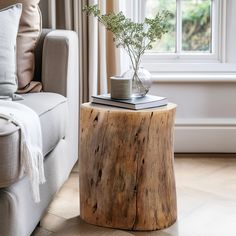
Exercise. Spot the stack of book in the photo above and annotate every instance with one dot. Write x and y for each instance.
(148, 101)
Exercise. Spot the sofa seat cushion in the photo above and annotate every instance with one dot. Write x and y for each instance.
(52, 111)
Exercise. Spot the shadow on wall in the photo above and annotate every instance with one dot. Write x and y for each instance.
(44, 9)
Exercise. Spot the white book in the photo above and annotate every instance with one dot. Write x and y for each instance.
(148, 101)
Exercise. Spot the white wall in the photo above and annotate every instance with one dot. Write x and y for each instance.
(206, 113)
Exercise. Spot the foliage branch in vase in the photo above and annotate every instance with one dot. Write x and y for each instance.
(134, 37)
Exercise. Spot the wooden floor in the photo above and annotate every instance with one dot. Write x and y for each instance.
(206, 191)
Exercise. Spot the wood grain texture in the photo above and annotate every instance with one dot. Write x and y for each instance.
(126, 167)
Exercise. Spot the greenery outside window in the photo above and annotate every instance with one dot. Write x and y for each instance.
(198, 32)
(191, 25)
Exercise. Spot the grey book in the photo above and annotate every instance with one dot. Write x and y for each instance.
(148, 101)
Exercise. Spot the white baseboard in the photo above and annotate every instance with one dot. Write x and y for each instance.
(205, 136)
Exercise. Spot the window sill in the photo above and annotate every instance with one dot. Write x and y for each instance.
(190, 67)
(193, 78)
(206, 122)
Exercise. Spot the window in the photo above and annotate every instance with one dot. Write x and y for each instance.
(197, 31)
(191, 25)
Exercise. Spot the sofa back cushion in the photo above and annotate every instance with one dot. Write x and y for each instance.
(28, 35)
(9, 23)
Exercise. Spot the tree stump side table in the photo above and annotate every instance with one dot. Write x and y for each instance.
(126, 167)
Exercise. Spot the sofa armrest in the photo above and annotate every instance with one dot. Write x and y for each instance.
(60, 75)
(60, 62)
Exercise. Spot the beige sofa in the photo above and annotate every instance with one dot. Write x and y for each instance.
(57, 107)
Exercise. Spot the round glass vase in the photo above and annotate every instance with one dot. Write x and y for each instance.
(141, 81)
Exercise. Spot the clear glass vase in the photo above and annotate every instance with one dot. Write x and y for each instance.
(141, 81)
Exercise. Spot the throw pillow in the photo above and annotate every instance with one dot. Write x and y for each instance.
(9, 23)
(28, 35)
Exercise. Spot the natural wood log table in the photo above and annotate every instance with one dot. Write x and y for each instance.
(126, 167)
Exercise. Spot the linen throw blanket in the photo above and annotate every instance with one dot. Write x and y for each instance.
(31, 141)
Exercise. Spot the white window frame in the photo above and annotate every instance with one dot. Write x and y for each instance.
(190, 62)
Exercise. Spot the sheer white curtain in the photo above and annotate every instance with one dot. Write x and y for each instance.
(99, 59)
